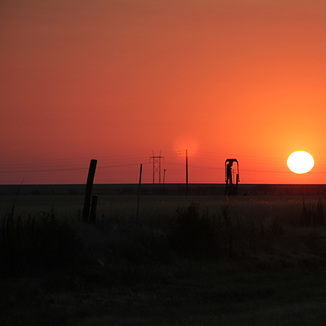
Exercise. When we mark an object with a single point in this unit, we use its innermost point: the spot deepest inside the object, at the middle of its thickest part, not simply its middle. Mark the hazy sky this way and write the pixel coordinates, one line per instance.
(121, 80)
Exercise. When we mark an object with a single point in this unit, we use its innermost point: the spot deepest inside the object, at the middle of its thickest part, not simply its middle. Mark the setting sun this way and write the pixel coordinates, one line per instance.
(300, 162)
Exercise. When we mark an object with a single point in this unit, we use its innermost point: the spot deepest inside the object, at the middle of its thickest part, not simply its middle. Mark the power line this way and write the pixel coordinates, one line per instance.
(127, 160)
(156, 166)
(119, 165)
(43, 170)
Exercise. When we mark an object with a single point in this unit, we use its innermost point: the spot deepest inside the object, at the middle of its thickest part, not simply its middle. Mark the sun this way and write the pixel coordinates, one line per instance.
(300, 162)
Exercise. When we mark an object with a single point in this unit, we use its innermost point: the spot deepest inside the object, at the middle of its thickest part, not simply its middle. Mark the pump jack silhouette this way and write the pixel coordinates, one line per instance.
(231, 188)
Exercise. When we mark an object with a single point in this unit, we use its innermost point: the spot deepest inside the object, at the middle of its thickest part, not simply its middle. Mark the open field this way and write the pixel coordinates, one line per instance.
(195, 189)
(196, 260)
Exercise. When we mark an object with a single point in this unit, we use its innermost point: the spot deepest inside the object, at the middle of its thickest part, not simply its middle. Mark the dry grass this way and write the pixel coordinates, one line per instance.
(266, 267)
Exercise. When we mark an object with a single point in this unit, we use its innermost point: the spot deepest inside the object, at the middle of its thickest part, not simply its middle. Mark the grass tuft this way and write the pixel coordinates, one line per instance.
(193, 233)
(37, 245)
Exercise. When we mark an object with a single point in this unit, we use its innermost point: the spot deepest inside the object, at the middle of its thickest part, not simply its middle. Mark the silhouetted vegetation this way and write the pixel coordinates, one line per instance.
(193, 233)
(34, 246)
(43, 243)
(312, 215)
(183, 261)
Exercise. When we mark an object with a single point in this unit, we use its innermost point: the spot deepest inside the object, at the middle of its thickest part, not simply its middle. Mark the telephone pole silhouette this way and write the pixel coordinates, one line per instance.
(156, 166)
(187, 189)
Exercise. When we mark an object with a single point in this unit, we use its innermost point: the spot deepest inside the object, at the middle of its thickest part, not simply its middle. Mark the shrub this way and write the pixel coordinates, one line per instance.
(311, 215)
(37, 246)
(192, 233)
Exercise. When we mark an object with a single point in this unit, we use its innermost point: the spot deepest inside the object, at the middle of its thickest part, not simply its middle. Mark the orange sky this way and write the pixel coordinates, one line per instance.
(118, 80)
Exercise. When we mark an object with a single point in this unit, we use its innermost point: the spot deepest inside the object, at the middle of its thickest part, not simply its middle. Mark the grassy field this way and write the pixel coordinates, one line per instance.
(196, 260)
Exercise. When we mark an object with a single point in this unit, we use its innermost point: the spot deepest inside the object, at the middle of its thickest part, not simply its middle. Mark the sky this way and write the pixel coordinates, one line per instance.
(122, 81)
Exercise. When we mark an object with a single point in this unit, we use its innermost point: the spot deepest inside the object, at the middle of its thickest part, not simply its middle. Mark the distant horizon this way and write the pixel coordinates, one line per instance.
(194, 189)
(162, 184)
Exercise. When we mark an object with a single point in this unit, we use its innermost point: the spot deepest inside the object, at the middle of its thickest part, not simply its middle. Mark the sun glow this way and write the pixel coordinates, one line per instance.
(300, 162)
(186, 144)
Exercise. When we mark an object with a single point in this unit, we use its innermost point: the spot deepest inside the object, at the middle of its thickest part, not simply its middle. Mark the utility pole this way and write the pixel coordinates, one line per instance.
(139, 185)
(156, 166)
(88, 191)
(186, 172)
(164, 176)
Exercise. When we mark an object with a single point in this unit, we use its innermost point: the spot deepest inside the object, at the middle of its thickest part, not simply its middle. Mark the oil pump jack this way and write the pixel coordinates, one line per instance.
(230, 172)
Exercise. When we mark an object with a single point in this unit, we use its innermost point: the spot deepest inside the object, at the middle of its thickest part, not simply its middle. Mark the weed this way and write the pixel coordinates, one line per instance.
(192, 233)
(311, 215)
(37, 246)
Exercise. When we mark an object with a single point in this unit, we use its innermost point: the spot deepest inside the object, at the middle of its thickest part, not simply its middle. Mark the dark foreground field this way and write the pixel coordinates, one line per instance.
(196, 260)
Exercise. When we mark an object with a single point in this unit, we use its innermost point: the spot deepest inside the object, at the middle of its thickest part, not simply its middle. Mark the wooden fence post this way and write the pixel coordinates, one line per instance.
(187, 189)
(139, 184)
(88, 192)
(93, 209)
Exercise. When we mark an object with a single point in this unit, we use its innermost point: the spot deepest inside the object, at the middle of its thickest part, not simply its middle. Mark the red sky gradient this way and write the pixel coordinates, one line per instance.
(118, 80)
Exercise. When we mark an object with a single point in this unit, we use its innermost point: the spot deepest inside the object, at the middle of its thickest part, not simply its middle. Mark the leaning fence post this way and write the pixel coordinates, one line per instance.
(88, 192)
(93, 209)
